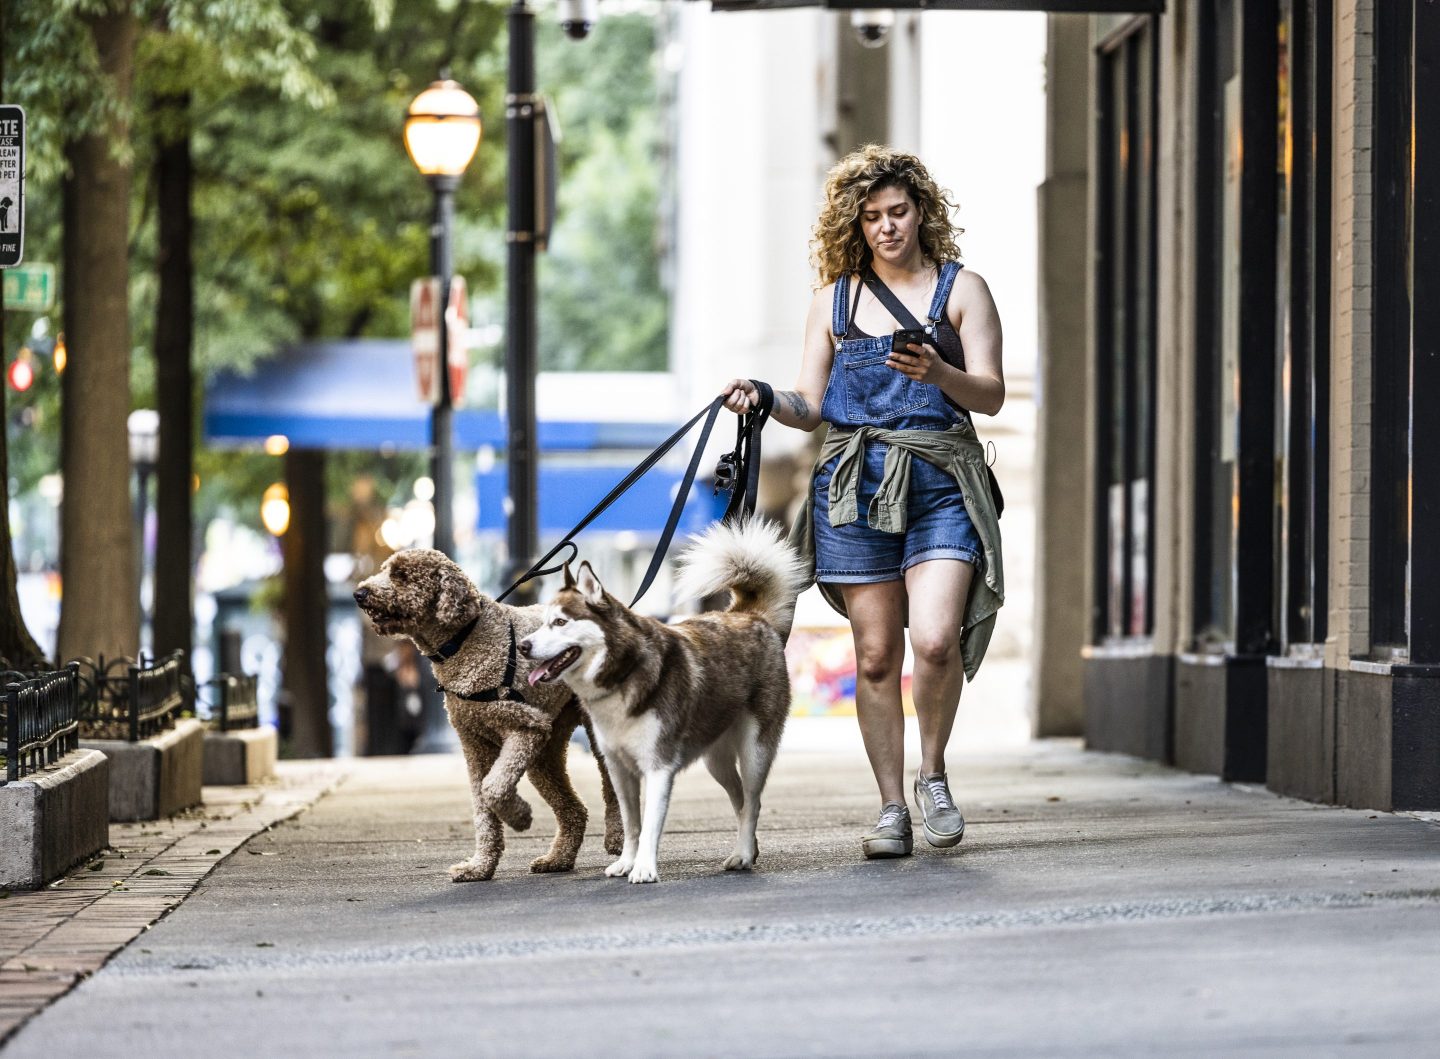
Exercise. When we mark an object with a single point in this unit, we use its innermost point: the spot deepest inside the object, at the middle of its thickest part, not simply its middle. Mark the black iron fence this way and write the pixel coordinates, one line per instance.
(41, 718)
(234, 702)
(123, 698)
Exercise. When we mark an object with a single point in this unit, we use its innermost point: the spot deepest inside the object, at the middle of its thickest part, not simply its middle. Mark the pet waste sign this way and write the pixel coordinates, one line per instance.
(12, 185)
(425, 336)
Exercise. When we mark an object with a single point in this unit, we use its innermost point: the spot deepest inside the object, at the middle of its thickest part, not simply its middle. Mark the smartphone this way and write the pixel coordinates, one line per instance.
(899, 338)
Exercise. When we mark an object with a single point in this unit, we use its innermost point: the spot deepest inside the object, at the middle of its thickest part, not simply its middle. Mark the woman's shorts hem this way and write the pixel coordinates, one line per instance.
(871, 577)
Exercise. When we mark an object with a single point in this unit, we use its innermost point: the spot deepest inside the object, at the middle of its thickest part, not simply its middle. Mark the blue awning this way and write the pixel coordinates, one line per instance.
(567, 493)
(361, 394)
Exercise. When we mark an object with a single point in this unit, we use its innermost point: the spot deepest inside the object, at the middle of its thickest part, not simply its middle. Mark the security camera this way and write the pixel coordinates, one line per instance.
(576, 17)
(872, 25)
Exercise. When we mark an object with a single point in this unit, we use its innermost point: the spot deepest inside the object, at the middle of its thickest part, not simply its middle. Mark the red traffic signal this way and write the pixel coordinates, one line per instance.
(21, 375)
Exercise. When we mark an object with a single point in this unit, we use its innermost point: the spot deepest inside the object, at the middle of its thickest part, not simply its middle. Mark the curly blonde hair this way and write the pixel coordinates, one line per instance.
(839, 245)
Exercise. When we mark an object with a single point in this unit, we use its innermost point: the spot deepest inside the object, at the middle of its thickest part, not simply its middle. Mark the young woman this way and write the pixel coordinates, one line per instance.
(900, 519)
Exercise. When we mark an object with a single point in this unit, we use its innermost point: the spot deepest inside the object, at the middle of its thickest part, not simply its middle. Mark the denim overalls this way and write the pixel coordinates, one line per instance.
(863, 391)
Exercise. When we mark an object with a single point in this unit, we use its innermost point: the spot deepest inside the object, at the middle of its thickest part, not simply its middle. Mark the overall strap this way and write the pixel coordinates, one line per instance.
(948, 272)
(838, 323)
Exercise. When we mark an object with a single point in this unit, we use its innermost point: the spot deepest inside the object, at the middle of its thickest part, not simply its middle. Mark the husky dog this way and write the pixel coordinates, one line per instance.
(506, 731)
(660, 696)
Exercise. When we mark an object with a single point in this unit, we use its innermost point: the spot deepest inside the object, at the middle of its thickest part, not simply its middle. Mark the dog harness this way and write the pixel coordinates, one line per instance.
(505, 691)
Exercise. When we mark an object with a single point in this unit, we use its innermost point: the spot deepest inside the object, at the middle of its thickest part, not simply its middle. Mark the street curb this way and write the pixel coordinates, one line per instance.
(60, 935)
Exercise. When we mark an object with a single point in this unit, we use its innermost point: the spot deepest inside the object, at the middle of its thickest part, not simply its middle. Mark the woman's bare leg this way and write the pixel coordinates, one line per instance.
(937, 591)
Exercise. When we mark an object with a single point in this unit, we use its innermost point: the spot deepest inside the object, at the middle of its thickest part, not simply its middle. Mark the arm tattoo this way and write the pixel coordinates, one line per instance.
(799, 407)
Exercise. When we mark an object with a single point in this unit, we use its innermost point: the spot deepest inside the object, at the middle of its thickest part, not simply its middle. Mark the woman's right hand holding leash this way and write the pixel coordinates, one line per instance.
(740, 396)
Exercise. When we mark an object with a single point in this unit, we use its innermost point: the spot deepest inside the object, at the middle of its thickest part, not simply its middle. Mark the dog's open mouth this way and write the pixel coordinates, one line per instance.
(384, 621)
(548, 670)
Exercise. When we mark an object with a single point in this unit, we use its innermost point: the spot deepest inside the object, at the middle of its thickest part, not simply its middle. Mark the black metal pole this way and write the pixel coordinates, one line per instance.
(436, 735)
(520, 444)
(442, 460)
(143, 469)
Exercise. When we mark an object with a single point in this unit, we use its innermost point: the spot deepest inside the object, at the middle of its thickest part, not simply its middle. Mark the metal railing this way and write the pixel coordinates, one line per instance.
(236, 702)
(123, 698)
(41, 719)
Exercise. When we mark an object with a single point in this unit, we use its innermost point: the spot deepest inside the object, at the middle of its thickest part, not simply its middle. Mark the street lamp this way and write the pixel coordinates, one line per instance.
(442, 132)
(144, 429)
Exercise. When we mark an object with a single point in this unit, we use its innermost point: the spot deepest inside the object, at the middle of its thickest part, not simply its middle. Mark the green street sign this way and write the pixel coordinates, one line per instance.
(30, 288)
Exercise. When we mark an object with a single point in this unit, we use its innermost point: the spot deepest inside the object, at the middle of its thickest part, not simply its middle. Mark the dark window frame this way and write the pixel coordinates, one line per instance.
(1425, 444)
(1391, 358)
(1247, 625)
(1405, 610)
(1303, 330)
(1124, 264)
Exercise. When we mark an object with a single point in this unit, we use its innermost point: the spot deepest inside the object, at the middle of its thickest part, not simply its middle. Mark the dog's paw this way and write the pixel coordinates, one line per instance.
(644, 871)
(740, 860)
(470, 871)
(620, 867)
(520, 816)
(550, 862)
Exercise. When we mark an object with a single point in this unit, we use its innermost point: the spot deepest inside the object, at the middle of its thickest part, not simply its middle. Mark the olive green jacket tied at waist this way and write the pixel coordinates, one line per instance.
(955, 450)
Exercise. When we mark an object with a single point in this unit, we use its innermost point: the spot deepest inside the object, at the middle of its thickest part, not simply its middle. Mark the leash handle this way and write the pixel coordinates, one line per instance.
(747, 454)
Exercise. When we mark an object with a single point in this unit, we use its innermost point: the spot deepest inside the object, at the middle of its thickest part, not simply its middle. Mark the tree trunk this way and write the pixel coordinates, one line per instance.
(98, 612)
(17, 646)
(174, 387)
(306, 683)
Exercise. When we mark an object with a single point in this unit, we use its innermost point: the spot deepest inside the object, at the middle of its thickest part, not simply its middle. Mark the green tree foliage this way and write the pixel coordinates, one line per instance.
(310, 219)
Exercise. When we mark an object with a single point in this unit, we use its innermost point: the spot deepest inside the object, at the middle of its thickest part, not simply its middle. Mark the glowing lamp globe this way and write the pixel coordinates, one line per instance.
(442, 130)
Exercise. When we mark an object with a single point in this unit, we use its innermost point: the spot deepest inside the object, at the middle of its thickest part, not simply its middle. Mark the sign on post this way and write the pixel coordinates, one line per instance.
(12, 185)
(30, 288)
(425, 336)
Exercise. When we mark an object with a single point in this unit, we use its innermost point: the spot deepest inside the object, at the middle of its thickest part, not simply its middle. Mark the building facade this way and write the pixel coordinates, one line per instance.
(1256, 593)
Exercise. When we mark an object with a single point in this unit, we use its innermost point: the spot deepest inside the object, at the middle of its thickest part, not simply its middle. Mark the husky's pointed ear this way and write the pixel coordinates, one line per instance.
(456, 601)
(569, 577)
(589, 585)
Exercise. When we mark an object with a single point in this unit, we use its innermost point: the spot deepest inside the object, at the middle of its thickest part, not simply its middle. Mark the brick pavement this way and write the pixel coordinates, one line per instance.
(55, 937)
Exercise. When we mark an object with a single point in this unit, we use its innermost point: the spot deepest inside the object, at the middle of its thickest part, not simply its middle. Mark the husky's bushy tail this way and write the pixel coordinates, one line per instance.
(752, 559)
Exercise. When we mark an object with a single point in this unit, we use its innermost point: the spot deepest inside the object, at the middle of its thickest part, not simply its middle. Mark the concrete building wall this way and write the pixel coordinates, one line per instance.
(1063, 389)
(1349, 626)
(756, 108)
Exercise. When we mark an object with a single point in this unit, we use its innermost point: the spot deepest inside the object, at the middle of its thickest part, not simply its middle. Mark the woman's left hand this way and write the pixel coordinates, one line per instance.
(921, 363)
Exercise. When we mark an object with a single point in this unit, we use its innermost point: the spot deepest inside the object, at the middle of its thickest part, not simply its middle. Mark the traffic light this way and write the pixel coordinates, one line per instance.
(21, 375)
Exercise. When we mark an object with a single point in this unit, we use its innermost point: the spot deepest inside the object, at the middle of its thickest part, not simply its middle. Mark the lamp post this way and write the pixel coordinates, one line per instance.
(442, 131)
(521, 537)
(144, 430)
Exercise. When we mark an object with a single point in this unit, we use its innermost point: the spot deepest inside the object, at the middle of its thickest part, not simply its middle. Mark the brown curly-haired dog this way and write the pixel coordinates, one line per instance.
(504, 731)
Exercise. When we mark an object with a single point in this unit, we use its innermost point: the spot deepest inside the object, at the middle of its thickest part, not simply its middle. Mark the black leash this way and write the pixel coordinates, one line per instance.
(738, 470)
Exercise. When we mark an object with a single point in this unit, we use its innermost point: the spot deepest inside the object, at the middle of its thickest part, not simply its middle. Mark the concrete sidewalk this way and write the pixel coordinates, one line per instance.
(1098, 905)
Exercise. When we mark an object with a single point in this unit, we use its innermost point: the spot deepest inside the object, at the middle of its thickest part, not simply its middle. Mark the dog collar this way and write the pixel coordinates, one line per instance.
(505, 691)
(450, 646)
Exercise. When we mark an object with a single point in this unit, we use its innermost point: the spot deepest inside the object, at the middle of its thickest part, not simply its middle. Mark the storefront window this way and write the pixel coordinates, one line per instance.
(1125, 338)
(1302, 433)
(1394, 274)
